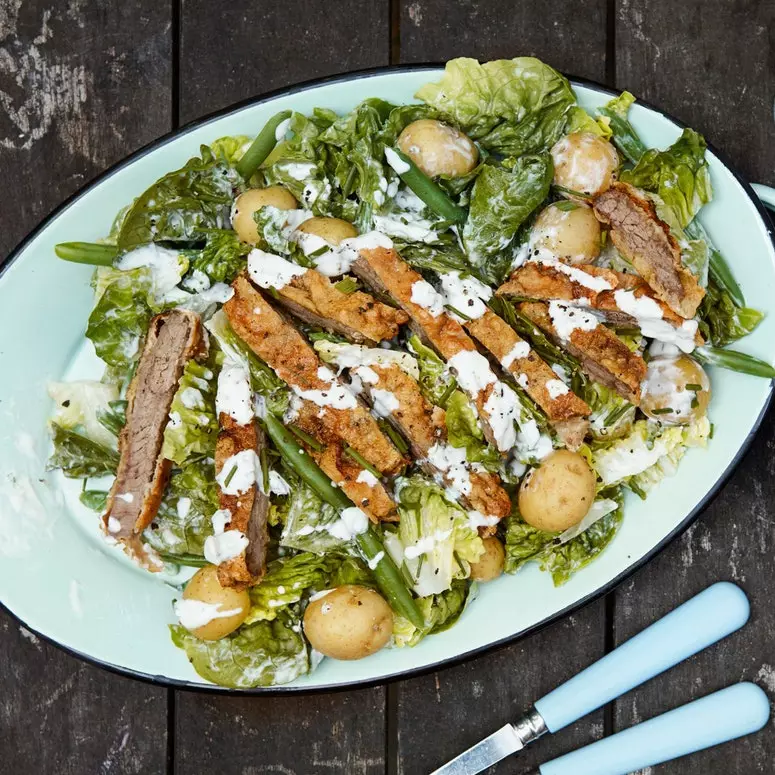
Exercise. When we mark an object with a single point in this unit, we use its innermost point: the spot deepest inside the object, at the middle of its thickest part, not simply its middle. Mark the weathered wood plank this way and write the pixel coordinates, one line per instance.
(75, 80)
(711, 65)
(269, 47)
(443, 714)
(708, 66)
(572, 39)
(266, 46)
(329, 733)
(72, 78)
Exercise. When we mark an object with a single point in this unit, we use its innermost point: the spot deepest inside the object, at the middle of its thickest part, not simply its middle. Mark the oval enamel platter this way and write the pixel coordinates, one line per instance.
(62, 581)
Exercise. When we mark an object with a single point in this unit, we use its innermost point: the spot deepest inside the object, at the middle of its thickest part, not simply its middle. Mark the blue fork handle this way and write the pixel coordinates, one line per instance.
(710, 616)
(733, 712)
(765, 193)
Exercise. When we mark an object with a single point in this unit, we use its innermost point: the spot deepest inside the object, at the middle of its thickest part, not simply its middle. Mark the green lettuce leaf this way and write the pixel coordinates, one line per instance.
(436, 383)
(182, 205)
(184, 519)
(463, 430)
(439, 611)
(625, 138)
(612, 416)
(509, 106)
(80, 405)
(501, 201)
(581, 121)
(193, 427)
(119, 321)
(79, 457)
(230, 148)
(679, 174)
(223, 256)
(721, 320)
(267, 653)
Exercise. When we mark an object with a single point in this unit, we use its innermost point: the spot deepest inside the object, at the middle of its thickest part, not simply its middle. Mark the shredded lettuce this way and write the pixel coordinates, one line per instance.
(193, 426)
(509, 106)
(266, 653)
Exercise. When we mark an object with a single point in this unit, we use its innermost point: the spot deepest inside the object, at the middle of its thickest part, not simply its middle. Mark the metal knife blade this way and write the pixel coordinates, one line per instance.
(485, 753)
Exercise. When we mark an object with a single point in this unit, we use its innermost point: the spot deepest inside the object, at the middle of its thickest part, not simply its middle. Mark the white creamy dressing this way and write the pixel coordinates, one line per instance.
(523, 381)
(426, 296)
(352, 522)
(375, 560)
(467, 294)
(384, 403)
(520, 350)
(556, 388)
(164, 265)
(367, 478)
(472, 370)
(298, 170)
(282, 130)
(246, 468)
(336, 395)
(226, 546)
(127, 497)
(566, 319)
(192, 398)
(503, 410)
(350, 356)
(396, 162)
(476, 520)
(268, 270)
(338, 260)
(278, 485)
(426, 544)
(183, 507)
(453, 463)
(234, 396)
(628, 458)
(407, 226)
(114, 526)
(649, 317)
(663, 379)
(193, 614)
(561, 373)
(407, 200)
(531, 443)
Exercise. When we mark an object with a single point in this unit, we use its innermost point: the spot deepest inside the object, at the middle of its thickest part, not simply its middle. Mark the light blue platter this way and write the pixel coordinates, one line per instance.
(62, 581)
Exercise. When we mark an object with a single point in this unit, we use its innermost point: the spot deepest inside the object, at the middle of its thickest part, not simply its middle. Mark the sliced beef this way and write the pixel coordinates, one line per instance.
(313, 298)
(646, 242)
(173, 339)
(249, 510)
(602, 355)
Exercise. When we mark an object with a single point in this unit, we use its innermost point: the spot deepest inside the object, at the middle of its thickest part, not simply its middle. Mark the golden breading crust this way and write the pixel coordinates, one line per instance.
(249, 511)
(313, 298)
(173, 338)
(646, 242)
(279, 344)
(602, 355)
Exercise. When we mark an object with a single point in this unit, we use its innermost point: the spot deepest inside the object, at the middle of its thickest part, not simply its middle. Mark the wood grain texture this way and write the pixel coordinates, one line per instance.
(313, 735)
(711, 63)
(441, 715)
(267, 45)
(74, 83)
(60, 715)
(570, 38)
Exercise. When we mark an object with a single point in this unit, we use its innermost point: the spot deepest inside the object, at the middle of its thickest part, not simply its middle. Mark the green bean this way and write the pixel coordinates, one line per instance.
(387, 574)
(428, 191)
(361, 461)
(261, 147)
(624, 136)
(734, 361)
(190, 560)
(718, 267)
(87, 253)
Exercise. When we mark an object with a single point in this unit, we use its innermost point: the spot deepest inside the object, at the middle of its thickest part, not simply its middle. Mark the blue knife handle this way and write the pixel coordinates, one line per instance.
(733, 712)
(710, 616)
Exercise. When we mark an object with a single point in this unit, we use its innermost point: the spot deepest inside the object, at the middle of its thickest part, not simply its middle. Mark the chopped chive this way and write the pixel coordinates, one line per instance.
(394, 436)
(310, 441)
(640, 492)
(273, 292)
(457, 312)
(566, 205)
(459, 562)
(319, 252)
(695, 403)
(711, 431)
(361, 461)
(564, 190)
(448, 392)
(616, 414)
(347, 285)
(229, 476)
(693, 386)
(407, 574)
(664, 410)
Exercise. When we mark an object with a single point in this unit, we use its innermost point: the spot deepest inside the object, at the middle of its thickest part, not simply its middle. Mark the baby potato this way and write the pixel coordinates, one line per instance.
(559, 493)
(584, 162)
(490, 565)
(332, 230)
(572, 234)
(676, 390)
(350, 622)
(438, 149)
(205, 587)
(251, 201)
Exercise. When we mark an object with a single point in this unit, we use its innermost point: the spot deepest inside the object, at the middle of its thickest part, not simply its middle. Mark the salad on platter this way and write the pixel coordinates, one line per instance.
(359, 364)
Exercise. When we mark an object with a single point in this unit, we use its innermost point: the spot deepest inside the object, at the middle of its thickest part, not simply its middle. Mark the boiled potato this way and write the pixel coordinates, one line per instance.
(490, 565)
(572, 234)
(438, 149)
(584, 162)
(676, 390)
(559, 493)
(205, 587)
(253, 200)
(332, 230)
(350, 622)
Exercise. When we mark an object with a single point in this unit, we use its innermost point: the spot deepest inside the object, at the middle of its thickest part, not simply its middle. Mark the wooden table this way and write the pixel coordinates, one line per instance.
(85, 82)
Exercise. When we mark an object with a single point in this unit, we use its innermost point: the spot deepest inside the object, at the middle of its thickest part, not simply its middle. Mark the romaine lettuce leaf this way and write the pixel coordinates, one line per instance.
(721, 320)
(510, 106)
(80, 404)
(79, 457)
(223, 256)
(183, 204)
(183, 521)
(267, 653)
(230, 148)
(193, 426)
(463, 430)
(581, 121)
(436, 382)
(501, 200)
(679, 174)
(439, 611)
(625, 138)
